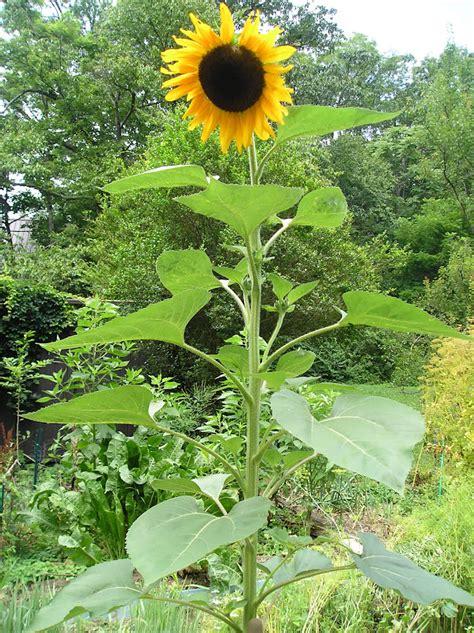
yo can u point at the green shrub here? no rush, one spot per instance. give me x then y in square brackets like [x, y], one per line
[448, 396]
[26, 307]
[451, 295]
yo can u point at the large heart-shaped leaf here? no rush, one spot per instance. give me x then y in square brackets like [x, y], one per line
[394, 571]
[369, 435]
[243, 207]
[324, 208]
[371, 308]
[164, 321]
[177, 533]
[98, 590]
[311, 120]
[186, 270]
[172, 176]
[129, 404]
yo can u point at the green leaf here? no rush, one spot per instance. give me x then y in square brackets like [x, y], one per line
[292, 458]
[98, 590]
[281, 286]
[234, 275]
[282, 536]
[242, 207]
[164, 321]
[172, 176]
[212, 485]
[394, 571]
[186, 270]
[176, 484]
[323, 209]
[300, 291]
[368, 435]
[289, 365]
[196, 595]
[296, 362]
[272, 457]
[235, 358]
[177, 533]
[371, 308]
[310, 120]
[129, 404]
[303, 561]
[233, 444]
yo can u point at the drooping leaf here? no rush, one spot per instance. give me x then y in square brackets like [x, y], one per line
[311, 120]
[272, 457]
[171, 176]
[289, 365]
[292, 458]
[371, 308]
[285, 538]
[394, 571]
[300, 291]
[323, 209]
[234, 275]
[368, 435]
[98, 590]
[303, 561]
[177, 533]
[234, 357]
[281, 286]
[212, 485]
[196, 595]
[232, 444]
[296, 362]
[130, 404]
[176, 484]
[186, 270]
[163, 321]
[242, 207]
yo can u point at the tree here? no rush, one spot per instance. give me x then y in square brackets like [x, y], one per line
[81, 87]
[355, 73]
[445, 130]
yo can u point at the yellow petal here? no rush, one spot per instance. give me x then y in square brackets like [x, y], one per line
[278, 54]
[227, 24]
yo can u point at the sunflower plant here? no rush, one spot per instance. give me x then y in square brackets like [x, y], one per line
[234, 82]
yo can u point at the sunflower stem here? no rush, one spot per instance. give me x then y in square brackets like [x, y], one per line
[253, 411]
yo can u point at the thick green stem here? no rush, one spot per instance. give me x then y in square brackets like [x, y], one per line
[253, 412]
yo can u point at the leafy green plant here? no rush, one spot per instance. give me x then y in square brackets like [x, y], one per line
[21, 373]
[448, 384]
[369, 435]
[25, 307]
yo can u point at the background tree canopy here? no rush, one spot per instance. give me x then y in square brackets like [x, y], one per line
[82, 104]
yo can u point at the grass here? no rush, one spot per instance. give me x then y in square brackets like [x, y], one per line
[19, 605]
[411, 396]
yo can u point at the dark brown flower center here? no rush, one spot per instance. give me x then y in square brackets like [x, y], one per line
[232, 77]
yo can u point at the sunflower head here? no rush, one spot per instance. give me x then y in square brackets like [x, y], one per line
[232, 81]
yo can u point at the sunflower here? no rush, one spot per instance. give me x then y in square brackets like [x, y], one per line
[233, 82]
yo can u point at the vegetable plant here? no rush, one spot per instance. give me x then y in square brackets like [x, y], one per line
[368, 435]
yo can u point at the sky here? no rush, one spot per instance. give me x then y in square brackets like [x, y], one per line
[419, 27]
